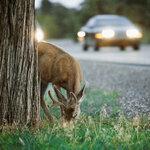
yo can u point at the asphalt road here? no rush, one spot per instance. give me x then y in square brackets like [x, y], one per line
[107, 54]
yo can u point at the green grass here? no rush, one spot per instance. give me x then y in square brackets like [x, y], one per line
[100, 127]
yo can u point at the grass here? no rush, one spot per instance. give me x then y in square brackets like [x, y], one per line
[100, 127]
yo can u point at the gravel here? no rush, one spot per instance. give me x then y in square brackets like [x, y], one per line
[132, 82]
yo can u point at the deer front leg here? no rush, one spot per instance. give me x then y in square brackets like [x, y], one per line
[43, 104]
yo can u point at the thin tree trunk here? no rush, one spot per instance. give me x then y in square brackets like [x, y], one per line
[19, 90]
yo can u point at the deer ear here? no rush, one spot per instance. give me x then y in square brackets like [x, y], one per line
[80, 94]
[59, 95]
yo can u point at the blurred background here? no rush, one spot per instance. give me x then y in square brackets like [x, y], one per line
[64, 18]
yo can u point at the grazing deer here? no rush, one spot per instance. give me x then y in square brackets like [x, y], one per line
[63, 71]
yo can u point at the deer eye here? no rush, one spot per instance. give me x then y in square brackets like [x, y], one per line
[75, 115]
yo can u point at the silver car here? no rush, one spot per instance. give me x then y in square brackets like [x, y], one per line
[109, 30]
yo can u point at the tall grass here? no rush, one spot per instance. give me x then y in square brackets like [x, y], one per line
[100, 127]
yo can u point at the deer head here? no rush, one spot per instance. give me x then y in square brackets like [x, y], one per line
[70, 107]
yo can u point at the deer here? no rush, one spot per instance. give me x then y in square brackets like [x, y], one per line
[63, 71]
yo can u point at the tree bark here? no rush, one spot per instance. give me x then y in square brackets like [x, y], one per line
[19, 90]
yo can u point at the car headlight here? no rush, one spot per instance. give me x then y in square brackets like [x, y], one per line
[39, 34]
[98, 36]
[133, 33]
[81, 34]
[108, 33]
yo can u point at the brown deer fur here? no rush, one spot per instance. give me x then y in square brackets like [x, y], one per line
[58, 67]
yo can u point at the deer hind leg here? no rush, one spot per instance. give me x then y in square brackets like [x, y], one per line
[43, 104]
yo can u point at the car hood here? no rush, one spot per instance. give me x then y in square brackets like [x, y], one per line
[99, 29]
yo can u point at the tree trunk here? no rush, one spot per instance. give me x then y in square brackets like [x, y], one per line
[19, 90]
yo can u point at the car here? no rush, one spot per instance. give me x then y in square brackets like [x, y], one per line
[110, 30]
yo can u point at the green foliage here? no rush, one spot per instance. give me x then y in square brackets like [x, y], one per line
[93, 131]
[57, 21]
[46, 7]
[49, 26]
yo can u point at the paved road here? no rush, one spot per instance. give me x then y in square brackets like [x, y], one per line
[107, 54]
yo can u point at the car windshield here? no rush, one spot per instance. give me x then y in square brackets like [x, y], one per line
[98, 22]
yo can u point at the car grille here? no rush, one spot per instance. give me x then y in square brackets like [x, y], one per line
[92, 35]
[120, 35]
